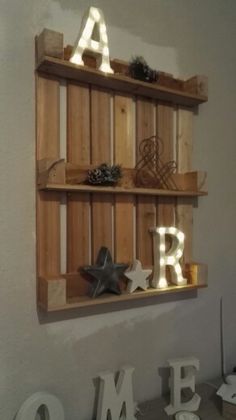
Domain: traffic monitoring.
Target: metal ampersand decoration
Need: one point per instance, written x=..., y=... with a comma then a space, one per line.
x=151, y=172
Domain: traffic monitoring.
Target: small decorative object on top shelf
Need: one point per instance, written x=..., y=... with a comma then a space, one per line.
x=104, y=175
x=138, y=278
x=93, y=23
x=139, y=69
x=105, y=274
x=151, y=172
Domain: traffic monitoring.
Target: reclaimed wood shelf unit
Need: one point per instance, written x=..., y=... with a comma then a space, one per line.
x=85, y=117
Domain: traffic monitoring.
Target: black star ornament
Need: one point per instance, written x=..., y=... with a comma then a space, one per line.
x=105, y=273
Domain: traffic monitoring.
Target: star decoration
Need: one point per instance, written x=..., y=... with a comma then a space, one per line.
x=105, y=273
x=137, y=277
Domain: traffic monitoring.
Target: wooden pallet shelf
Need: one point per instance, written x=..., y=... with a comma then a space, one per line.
x=120, y=190
x=86, y=302
x=115, y=82
x=105, y=117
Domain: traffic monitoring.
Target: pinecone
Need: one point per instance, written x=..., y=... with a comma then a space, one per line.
x=95, y=177
x=104, y=175
x=140, y=70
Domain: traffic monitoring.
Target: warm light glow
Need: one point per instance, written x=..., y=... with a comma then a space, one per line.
x=95, y=13
x=162, y=248
x=106, y=51
x=87, y=32
x=162, y=261
x=106, y=68
x=94, y=45
x=85, y=41
x=82, y=43
x=180, y=236
x=104, y=38
x=169, y=258
x=103, y=28
x=163, y=283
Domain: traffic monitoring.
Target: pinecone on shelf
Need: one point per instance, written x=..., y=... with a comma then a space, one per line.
x=104, y=175
x=139, y=69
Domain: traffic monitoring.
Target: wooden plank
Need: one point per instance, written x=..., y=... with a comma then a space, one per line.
x=146, y=206
x=124, y=154
x=48, y=203
x=49, y=43
x=73, y=188
x=101, y=211
x=120, y=83
x=78, y=152
x=184, y=210
x=164, y=129
x=85, y=301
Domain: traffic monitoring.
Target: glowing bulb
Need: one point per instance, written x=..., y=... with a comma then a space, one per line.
x=162, y=230
x=104, y=38
x=172, y=230
x=94, y=44
x=162, y=261
x=106, y=68
x=95, y=13
x=171, y=260
x=77, y=59
x=105, y=51
x=88, y=29
x=162, y=283
x=178, y=269
x=103, y=28
x=179, y=254
x=162, y=248
x=82, y=43
x=180, y=236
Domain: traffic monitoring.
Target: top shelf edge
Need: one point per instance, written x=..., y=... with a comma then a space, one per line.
x=64, y=69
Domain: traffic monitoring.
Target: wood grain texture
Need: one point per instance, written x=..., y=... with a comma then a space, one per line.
x=124, y=122
x=78, y=152
x=164, y=129
x=184, y=210
x=146, y=206
x=48, y=204
x=101, y=211
x=118, y=83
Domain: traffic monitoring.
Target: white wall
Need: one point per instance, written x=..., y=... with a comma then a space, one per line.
x=63, y=356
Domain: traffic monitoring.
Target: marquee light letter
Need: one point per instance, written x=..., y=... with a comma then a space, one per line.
x=163, y=258
x=31, y=406
x=113, y=398
x=92, y=19
x=177, y=383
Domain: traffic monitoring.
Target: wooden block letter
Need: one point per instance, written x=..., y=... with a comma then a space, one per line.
x=112, y=398
x=29, y=409
x=178, y=382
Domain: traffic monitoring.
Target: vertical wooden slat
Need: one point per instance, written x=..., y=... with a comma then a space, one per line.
x=124, y=120
x=48, y=203
x=184, y=211
x=164, y=129
x=146, y=205
x=101, y=153
x=78, y=152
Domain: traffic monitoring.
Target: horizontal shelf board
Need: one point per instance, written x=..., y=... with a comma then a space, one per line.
x=85, y=301
x=120, y=190
x=65, y=69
